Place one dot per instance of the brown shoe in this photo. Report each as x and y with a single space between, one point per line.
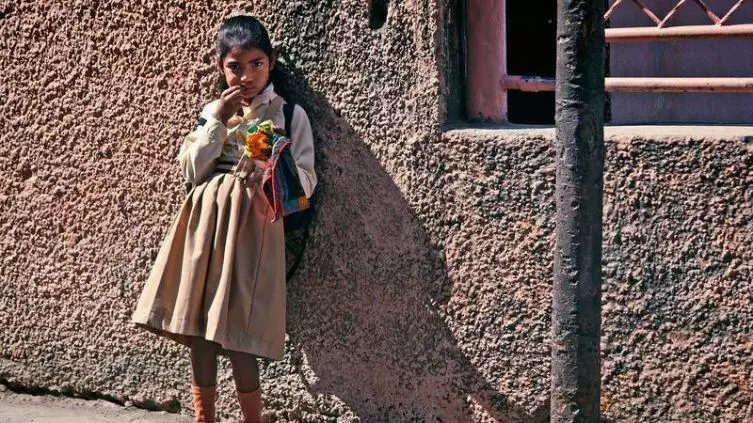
203 403
250 403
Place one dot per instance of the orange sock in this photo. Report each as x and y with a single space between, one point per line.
250 403
203 403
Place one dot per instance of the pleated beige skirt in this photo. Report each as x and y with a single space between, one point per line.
220 273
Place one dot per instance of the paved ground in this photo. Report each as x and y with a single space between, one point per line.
22 408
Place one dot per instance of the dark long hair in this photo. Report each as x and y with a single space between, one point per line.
247 32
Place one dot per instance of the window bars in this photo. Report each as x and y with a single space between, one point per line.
489 102
717 28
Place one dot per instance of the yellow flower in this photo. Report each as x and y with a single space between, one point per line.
267 127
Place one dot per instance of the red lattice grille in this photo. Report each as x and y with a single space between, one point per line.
661 23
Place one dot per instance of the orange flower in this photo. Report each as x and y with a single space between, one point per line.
257 146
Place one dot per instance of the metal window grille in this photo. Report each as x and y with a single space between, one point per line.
658 28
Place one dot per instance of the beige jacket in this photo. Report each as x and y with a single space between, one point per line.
214 142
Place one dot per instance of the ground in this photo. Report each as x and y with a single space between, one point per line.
23 408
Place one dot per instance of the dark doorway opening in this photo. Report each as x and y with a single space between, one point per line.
378 13
531 51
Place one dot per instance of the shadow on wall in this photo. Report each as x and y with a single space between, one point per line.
365 310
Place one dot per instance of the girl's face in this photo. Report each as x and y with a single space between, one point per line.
249 68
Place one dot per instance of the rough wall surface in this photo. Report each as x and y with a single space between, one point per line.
678 282
96 96
424 295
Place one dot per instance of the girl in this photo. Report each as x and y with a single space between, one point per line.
218 284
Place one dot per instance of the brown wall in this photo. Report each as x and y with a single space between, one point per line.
678 223
425 291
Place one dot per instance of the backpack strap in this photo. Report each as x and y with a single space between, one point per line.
287 111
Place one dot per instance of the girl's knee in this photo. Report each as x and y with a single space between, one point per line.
203 347
240 358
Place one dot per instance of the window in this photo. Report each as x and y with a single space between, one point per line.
668 61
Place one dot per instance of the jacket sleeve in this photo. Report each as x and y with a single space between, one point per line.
302 148
202 147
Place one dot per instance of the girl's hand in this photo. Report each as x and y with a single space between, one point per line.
230 103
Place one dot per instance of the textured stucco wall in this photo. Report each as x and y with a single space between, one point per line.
96 96
678 282
425 292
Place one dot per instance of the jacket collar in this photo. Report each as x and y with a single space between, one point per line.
264 97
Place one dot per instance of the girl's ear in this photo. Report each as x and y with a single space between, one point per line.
272 59
222 84
221 81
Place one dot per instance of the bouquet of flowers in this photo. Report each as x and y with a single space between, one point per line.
280 184
260 138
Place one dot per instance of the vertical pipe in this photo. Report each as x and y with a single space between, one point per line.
576 302
486 61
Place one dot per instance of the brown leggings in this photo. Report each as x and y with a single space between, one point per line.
204 366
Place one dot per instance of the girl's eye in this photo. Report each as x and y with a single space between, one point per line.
258 64
233 66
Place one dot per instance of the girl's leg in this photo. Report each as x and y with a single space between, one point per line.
203 363
245 371
246 375
204 378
